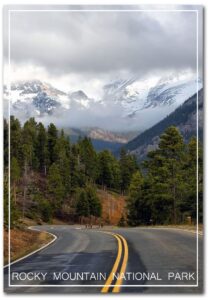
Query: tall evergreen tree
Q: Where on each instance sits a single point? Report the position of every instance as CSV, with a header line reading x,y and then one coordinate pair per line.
x,y
95,207
29,159
105,177
6,144
42,149
189,201
14,211
52,139
62,149
172,149
137,207
15,138
76,171
14,176
116,174
128,165
82,207
55,186
29,143
164,174
88,158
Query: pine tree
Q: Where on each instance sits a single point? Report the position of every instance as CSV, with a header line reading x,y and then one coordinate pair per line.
x,y
55,186
77,175
62,149
6,144
200,182
29,160
137,207
128,165
105,177
41,149
165,176
52,139
46,210
88,158
14,176
15,138
82,207
14,211
116,174
172,148
6,200
95,207
189,201
135,187
29,143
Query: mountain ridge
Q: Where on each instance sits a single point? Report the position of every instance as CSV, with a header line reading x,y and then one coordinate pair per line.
x,y
131,103
184,117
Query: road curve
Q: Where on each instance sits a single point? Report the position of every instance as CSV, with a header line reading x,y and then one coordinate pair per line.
x,y
128,260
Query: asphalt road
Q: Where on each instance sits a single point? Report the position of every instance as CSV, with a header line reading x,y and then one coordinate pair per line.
x,y
158,260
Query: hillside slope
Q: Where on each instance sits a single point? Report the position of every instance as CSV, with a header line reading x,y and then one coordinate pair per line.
x,y
184,118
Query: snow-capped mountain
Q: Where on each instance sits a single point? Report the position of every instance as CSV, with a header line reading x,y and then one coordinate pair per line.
x,y
131,103
35,98
135,95
38,99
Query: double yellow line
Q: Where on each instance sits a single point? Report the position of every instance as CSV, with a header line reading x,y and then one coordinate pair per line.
x,y
122,249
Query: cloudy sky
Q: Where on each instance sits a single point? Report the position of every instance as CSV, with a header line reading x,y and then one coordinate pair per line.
x,y
85,50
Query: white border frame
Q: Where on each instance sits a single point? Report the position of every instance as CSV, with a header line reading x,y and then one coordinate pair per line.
x,y
9,134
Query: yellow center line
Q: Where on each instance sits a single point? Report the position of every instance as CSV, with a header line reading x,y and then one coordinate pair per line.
x,y
115,266
118,283
110,278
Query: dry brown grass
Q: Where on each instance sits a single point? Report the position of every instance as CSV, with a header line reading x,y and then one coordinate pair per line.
x,y
28,222
23,242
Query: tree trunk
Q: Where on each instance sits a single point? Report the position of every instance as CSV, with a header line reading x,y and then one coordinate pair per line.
x,y
45,170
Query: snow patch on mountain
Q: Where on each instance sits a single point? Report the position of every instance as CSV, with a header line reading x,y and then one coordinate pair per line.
x,y
135,95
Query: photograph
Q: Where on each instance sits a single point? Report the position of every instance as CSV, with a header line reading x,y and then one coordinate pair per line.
x,y
103,111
